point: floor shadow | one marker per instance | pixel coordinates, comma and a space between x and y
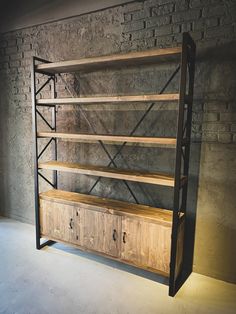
111, 263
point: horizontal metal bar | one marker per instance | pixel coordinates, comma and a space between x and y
46, 105
43, 72
41, 60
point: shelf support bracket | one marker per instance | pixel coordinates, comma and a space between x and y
42, 117
43, 177
45, 147
42, 87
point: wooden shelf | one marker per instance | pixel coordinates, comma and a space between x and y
108, 99
109, 138
107, 172
158, 215
93, 63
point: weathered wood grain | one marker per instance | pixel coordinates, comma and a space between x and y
93, 63
146, 244
108, 172
109, 138
101, 232
60, 221
108, 99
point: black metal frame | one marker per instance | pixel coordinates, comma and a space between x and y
37, 155
182, 153
182, 147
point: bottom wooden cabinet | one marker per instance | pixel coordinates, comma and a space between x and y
101, 232
141, 238
146, 244
60, 221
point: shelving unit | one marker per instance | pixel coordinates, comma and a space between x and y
144, 236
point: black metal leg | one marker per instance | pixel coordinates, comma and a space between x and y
46, 243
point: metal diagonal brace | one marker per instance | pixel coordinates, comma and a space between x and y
138, 124
41, 116
127, 164
42, 176
43, 150
100, 142
42, 87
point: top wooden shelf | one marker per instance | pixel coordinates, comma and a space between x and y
93, 63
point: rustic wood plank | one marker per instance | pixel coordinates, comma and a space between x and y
146, 244
107, 172
101, 231
108, 99
109, 138
60, 221
138, 211
130, 58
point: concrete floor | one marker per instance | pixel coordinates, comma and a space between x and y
59, 279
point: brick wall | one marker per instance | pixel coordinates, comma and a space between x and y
145, 25
212, 25
136, 26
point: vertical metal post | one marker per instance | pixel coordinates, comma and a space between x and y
54, 125
34, 127
178, 166
191, 71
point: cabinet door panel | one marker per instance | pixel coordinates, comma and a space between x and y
146, 244
60, 221
101, 232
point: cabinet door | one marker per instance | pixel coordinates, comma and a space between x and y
60, 221
146, 244
101, 232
